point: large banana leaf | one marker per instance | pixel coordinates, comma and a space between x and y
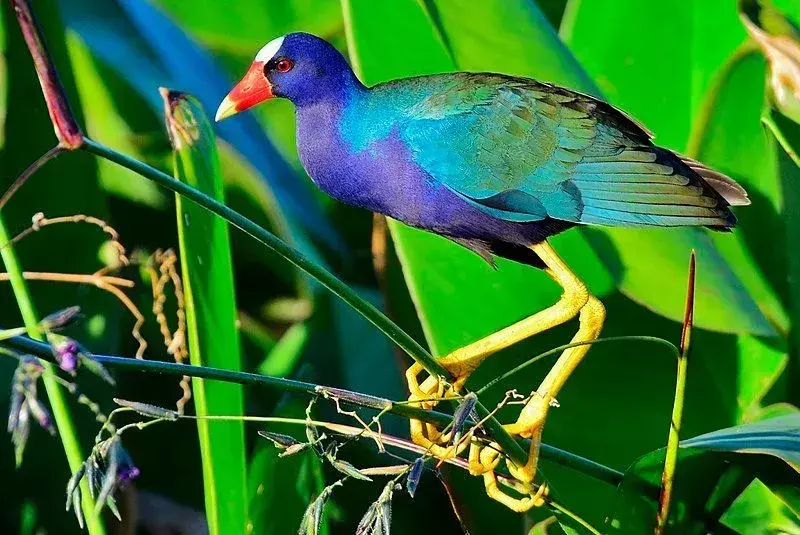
212, 336
628, 254
714, 101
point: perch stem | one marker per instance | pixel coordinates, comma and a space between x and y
565, 458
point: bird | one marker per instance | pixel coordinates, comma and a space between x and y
497, 164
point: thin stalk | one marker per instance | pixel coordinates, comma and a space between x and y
558, 349
55, 394
574, 517
351, 431
671, 460
327, 279
26, 174
564, 458
65, 126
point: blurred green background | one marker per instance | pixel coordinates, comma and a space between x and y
687, 70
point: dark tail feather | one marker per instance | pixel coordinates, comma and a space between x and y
729, 189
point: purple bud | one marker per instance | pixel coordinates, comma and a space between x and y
126, 470
127, 474
67, 355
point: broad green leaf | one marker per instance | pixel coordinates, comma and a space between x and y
618, 49
104, 122
776, 436
705, 484
213, 339
728, 135
758, 511
284, 356
713, 469
247, 25
786, 146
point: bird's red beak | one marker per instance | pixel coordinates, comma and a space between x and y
251, 90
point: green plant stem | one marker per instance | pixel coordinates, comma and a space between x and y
673, 442
565, 458
327, 279
509, 446
558, 349
55, 394
352, 431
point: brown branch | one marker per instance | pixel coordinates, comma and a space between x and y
78, 278
66, 128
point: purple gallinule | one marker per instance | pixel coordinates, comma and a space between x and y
497, 164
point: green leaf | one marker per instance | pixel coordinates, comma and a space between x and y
758, 511
104, 121
776, 436
284, 356
787, 147
213, 339
247, 25
623, 66
713, 469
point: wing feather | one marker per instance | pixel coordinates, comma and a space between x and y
525, 151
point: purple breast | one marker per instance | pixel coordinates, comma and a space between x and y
384, 178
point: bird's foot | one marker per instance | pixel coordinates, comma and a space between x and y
483, 460
516, 492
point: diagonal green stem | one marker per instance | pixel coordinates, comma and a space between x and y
327, 279
565, 458
55, 394
671, 459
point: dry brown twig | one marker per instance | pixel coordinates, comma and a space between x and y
99, 278
162, 268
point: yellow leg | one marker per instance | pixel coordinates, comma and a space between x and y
462, 362
531, 420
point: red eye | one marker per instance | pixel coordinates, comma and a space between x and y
284, 65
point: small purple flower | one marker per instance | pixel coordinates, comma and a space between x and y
127, 474
70, 356
108, 469
126, 470
67, 355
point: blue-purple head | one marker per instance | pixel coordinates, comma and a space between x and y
298, 66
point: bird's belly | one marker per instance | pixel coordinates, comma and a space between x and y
380, 178
384, 178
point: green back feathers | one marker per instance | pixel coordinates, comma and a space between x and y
523, 151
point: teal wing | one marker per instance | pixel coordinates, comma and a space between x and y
523, 151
